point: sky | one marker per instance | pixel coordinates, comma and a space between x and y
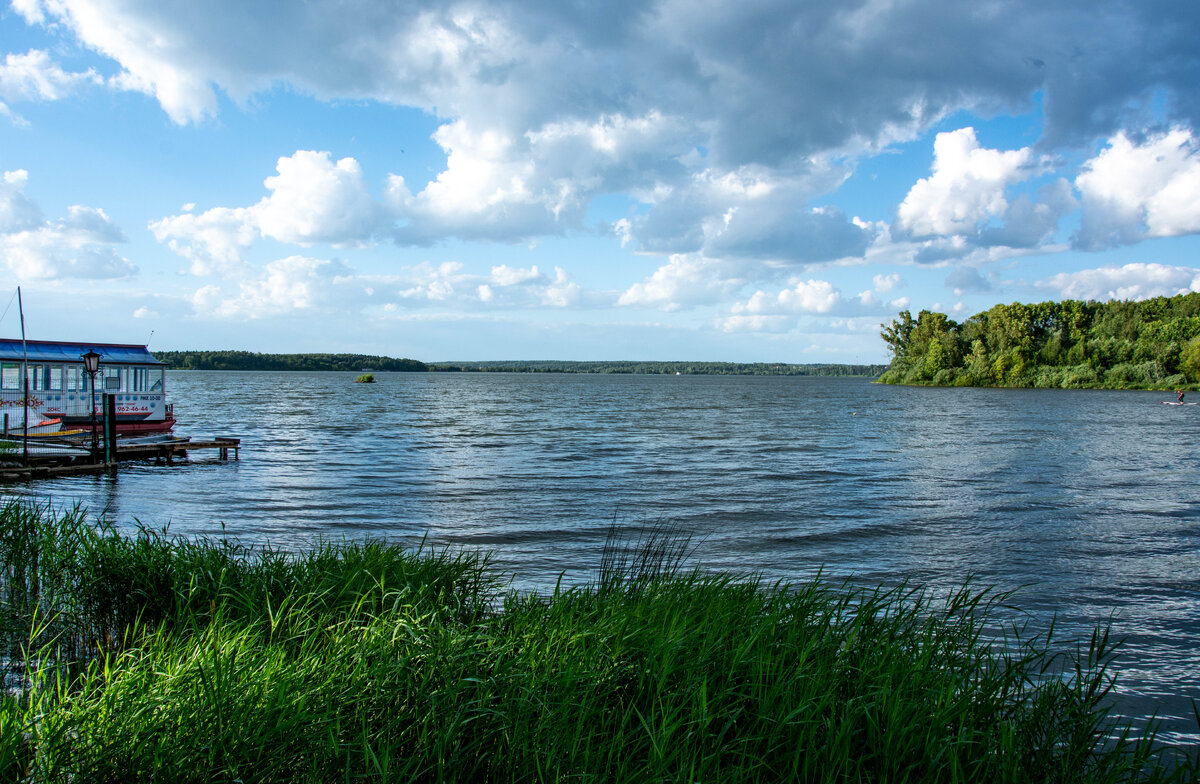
750, 181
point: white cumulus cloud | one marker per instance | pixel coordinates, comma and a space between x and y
966, 189
449, 285
79, 245
296, 284
1131, 281
1133, 190
312, 200
803, 296
685, 281
33, 76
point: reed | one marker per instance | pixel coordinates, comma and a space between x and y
144, 657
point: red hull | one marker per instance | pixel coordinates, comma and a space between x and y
128, 428
144, 428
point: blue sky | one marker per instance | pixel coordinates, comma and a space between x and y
751, 181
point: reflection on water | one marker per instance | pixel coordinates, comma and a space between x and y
1085, 501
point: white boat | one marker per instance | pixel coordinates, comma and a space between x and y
59, 389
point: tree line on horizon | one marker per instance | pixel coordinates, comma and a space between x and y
250, 360
247, 360
661, 368
1072, 344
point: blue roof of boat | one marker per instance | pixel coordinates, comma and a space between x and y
53, 351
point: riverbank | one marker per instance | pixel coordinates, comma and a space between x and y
140, 656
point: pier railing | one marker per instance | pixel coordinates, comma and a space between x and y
63, 431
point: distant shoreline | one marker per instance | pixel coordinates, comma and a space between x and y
627, 367
358, 363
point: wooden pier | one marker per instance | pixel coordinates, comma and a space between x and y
75, 459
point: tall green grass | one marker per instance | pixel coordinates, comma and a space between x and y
143, 657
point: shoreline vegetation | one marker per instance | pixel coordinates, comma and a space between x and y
1150, 344
138, 656
248, 360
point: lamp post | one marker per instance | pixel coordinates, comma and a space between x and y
91, 366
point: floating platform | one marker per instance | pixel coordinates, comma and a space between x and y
63, 458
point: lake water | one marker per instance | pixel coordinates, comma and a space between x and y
1087, 502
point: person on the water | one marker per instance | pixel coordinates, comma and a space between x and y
1180, 393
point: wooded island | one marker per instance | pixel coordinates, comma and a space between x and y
1151, 344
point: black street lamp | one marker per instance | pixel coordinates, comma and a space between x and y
91, 366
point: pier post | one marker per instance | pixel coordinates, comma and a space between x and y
110, 432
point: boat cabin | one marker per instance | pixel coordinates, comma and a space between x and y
60, 387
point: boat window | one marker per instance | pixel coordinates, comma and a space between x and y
55, 378
157, 384
10, 376
72, 381
35, 377
112, 379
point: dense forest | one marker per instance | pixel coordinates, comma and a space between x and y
246, 360
662, 368
1151, 344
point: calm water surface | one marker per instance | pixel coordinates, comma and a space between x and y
1085, 501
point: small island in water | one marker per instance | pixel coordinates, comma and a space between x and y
1151, 344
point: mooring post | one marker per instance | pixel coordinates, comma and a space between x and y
110, 432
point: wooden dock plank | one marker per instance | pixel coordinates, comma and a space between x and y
43, 466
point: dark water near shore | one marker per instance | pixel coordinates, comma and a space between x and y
1088, 502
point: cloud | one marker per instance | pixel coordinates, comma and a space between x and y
686, 107
1131, 281
885, 283
315, 200
79, 245
312, 200
779, 311
503, 185
34, 77
296, 284
966, 189
805, 296
966, 280
751, 213
686, 280
491, 189
212, 241
757, 323
783, 310
1138, 189
504, 287
17, 211
1030, 222
764, 312
818, 76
